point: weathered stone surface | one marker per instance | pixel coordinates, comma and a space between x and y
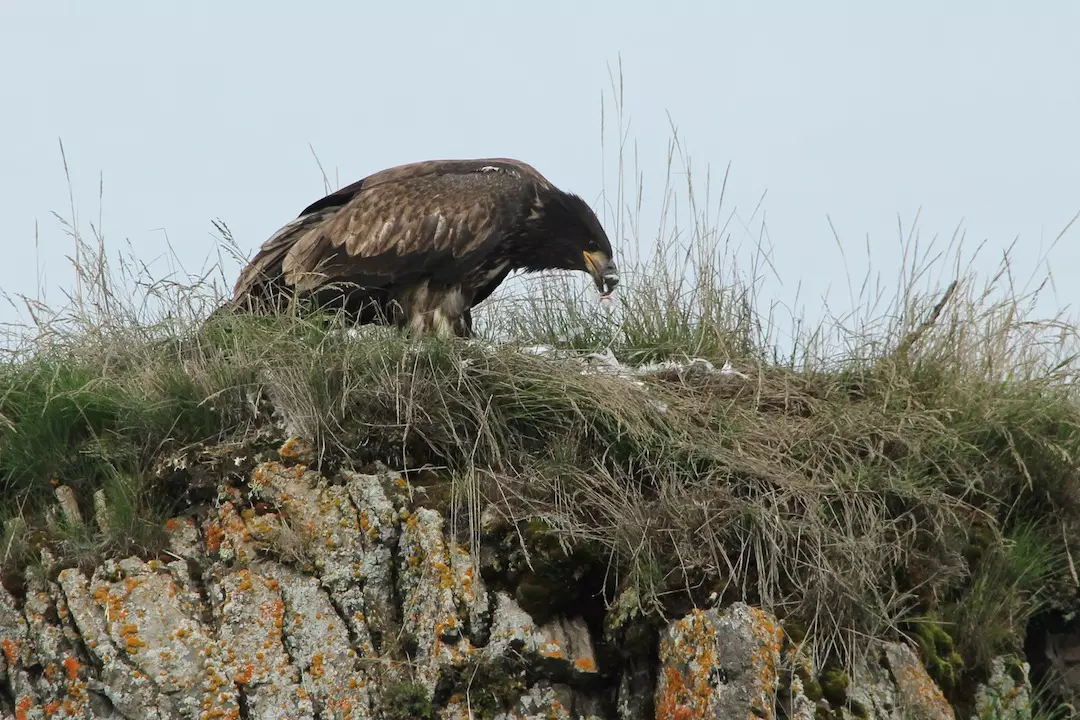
152, 617
377, 522
1006, 695
61, 685
562, 646
14, 652
184, 539
317, 640
719, 665
132, 692
436, 604
550, 701
873, 690
296, 595
917, 696
250, 613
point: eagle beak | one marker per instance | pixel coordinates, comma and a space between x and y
603, 270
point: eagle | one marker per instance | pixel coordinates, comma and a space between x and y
419, 245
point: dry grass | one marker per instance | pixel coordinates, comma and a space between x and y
915, 462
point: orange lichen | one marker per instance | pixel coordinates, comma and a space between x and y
921, 689
244, 675
130, 634
293, 448
214, 535
23, 708
689, 690
676, 701
71, 667
317, 665
552, 650
585, 664
11, 651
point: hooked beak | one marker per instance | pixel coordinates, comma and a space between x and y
603, 270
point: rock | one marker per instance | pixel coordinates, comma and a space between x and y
1006, 695
317, 640
562, 648
918, 697
69, 506
547, 701
250, 612
444, 602
14, 653
184, 540
873, 690
131, 691
719, 665
1062, 652
62, 685
292, 594
799, 706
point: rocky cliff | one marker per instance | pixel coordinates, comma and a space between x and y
289, 593
300, 595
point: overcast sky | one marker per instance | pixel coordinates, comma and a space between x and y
191, 111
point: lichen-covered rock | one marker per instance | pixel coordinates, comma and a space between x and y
62, 684
873, 692
156, 622
14, 652
292, 594
317, 640
346, 533
131, 691
250, 614
719, 665
548, 701
1006, 695
184, 540
918, 697
377, 521
441, 595
563, 647
798, 705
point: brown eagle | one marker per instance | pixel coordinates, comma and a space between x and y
418, 245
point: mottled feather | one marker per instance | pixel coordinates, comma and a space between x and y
430, 239
399, 221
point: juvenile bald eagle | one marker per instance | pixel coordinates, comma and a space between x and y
418, 245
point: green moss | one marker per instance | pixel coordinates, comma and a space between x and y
834, 685
795, 630
406, 701
1015, 668
939, 655
858, 710
547, 577
492, 687
812, 690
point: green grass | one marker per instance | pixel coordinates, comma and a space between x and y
868, 474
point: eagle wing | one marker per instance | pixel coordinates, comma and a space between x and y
438, 218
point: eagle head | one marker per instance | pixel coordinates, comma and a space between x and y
575, 239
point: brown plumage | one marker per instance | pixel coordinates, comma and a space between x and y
419, 245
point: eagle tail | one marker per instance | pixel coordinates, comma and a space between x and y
261, 282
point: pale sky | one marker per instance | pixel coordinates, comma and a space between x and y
858, 112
